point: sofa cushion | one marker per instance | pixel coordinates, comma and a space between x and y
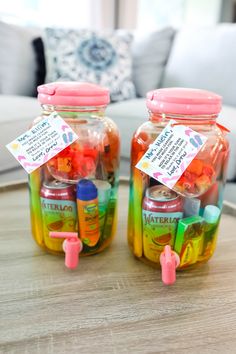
38, 46
227, 119
85, 55
204, 58
17, 113
128, 115
17, 60
150, 53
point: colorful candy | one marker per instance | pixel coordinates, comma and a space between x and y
74, 162
196, 179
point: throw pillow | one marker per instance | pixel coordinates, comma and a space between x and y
150, 54
38, 46
84, 55
204, 58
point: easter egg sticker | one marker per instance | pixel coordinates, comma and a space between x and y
171, 153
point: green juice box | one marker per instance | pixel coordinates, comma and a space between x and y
189, 238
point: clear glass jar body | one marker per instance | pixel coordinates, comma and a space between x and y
95, 157
178, 219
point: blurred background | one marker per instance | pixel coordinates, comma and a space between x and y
180, 43
132, 14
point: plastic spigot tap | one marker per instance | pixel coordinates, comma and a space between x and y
72, 246
169, 262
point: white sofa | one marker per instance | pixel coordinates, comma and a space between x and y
200, 58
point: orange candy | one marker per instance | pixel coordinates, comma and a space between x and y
203, 182
195, 167
64, 164
74, 162
208, 170
197, 178
191, 177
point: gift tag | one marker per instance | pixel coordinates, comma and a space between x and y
171, 153
42, 142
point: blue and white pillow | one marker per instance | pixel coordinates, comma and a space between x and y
84, 55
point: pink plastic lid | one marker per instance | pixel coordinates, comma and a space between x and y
73, 94
187, 101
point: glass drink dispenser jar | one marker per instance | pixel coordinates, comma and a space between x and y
76, 190
185, 217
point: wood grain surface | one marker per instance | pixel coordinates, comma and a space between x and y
112, 303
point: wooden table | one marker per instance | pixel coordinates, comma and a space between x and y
112, 303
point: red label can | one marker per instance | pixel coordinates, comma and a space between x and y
59, 213
161, 210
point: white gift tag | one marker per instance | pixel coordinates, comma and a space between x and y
171, 153
42, 142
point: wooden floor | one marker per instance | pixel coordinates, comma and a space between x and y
112, 303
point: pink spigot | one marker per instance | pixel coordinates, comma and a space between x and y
169, 262
72, 246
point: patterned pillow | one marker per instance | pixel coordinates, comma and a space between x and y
84, 55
